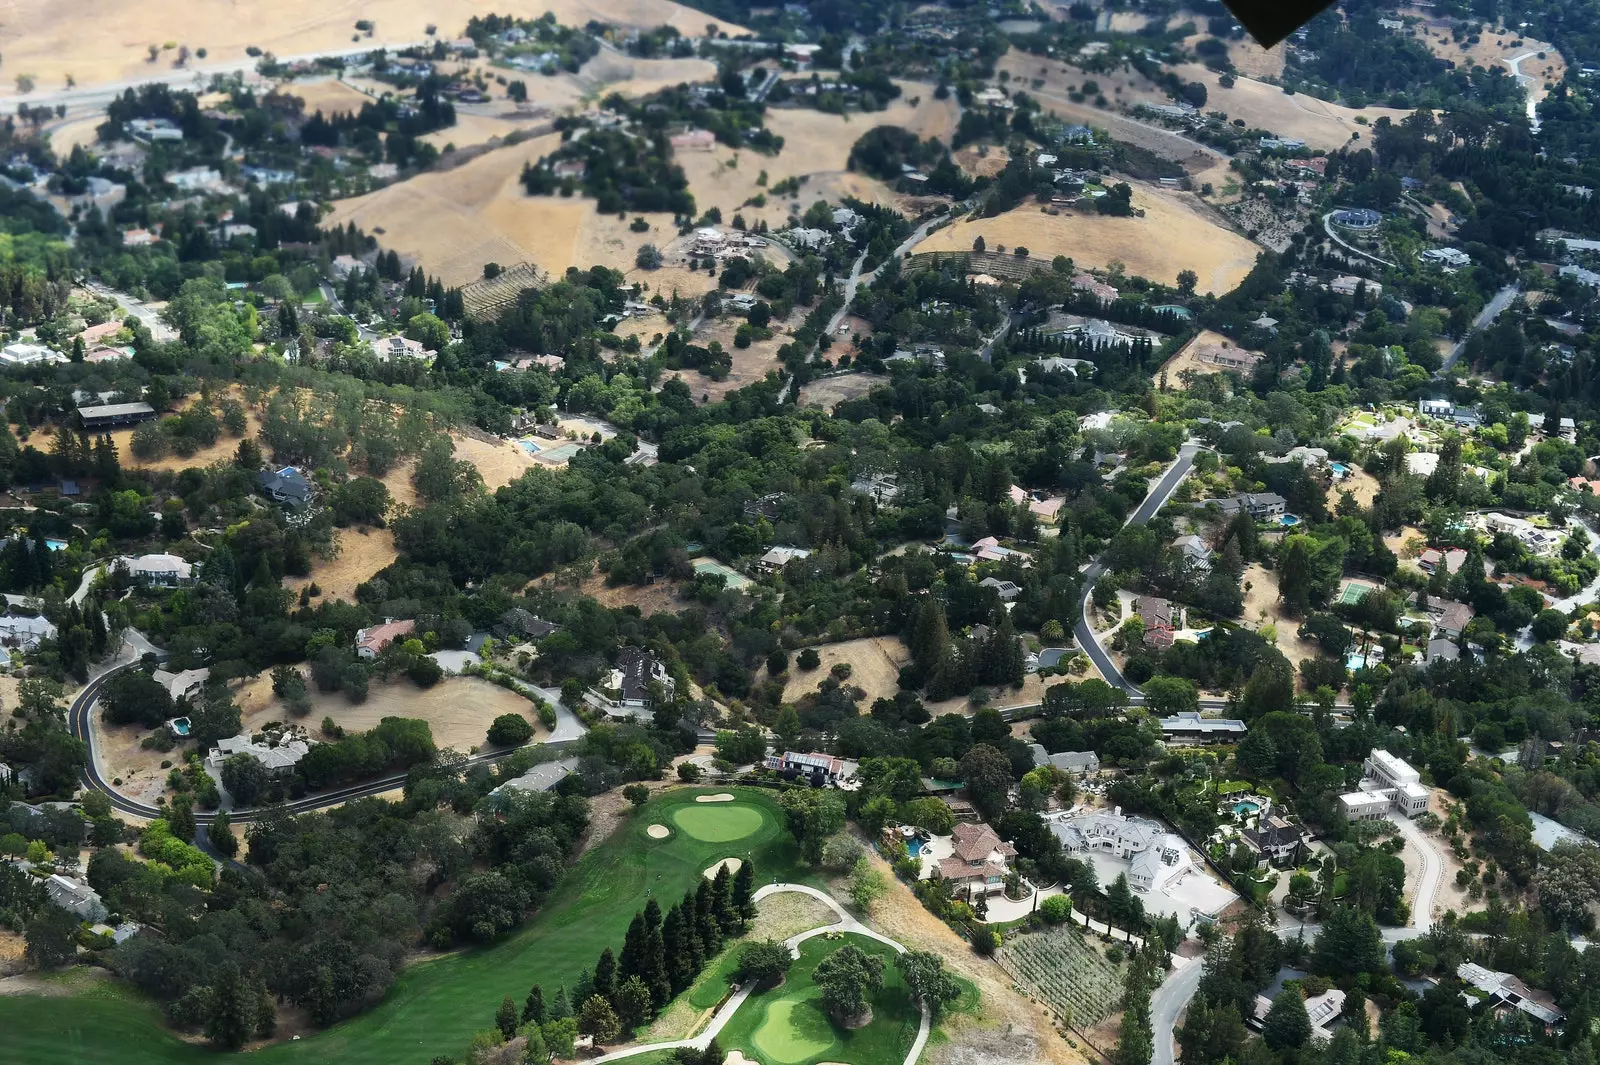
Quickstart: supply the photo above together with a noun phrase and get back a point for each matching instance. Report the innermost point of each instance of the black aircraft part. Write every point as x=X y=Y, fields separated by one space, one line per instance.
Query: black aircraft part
x=1270 y=21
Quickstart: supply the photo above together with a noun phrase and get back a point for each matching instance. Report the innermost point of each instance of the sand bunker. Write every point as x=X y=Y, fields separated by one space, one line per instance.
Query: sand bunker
x=732 y=865
x=658 y=831
x=736 y=1057
x=723 y=797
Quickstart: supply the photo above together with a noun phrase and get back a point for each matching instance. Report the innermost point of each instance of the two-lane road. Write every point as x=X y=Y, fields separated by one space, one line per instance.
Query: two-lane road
x=1153 y=502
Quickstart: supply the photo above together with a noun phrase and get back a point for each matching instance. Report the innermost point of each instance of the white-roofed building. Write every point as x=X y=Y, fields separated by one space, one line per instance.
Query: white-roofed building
x=163 y=570
x=1387 y=783
x=1154 y=855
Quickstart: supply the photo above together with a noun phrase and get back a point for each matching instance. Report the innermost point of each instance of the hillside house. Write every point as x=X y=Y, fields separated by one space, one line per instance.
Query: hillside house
x=159 y=570
x=286 y=486
x=1078 y=763
x=1153 y=854
x=1160 y=619
x=1196 y=553
x=520 y=624
x=636 y=670
x=1189 y=727
x=387 y=349
x=75 y=897
x=1505 y=991
x=978 y=861
x=371 y=641
x=186 y=684
x=1006 y=590
x=1387 y=783
x=114 y=415
x=819 y=769
x=278 y=752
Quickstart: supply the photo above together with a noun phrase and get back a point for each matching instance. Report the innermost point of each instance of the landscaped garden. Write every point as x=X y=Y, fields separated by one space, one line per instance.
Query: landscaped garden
x=788 y=1025
x=436 y=1006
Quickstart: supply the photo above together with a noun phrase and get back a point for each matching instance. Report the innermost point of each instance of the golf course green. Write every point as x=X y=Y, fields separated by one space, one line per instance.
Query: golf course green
x=787 y=1025
x=718 y=822
x=436 y=1006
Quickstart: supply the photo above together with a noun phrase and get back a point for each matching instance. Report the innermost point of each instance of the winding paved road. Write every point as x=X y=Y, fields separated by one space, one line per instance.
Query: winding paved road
x=845 y=923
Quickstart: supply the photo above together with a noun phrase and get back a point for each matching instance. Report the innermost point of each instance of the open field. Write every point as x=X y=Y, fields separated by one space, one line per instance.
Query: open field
x=1263 y=607
x=328 y=95
x=1491 y=51
x=1173 y=235
x=750 y=365
x=829 y=392
x=874 y=662
x=434 y=1007
x=98 y=43
x=1320 y=124
x=787 y=1026
x=457 y=709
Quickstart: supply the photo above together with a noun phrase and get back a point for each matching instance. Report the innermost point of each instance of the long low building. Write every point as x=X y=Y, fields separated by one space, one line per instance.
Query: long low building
x=1190 y=726
x=112 y=415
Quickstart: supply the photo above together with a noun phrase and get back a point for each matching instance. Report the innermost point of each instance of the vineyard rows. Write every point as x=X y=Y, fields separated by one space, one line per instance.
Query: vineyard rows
x=1065 y=973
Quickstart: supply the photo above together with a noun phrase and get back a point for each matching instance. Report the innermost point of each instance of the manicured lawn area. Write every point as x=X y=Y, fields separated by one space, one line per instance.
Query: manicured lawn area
x=717 y=822
x=787 y=1026
x=435 y=1007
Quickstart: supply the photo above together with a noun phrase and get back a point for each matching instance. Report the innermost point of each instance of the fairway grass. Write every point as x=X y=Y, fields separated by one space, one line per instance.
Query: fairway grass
x=719 y=822
x=435 y=1007
x=787 y=1026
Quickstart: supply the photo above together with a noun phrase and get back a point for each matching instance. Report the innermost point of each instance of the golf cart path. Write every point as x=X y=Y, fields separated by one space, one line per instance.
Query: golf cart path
x=845 y=923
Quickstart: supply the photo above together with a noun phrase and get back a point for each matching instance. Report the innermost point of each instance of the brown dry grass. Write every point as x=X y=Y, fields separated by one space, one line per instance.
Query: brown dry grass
x=1186 y=360
x=98 y=43
x=1320 y=124
x=1360 y=484
x=1173 y=235
x=1006 y=1027
x=750 y=365
x=1492 y=51
x=458 y=709
x=829 y=392
x=328 y=95
x=874 y=662
x=1263 y=607
x=13 y=949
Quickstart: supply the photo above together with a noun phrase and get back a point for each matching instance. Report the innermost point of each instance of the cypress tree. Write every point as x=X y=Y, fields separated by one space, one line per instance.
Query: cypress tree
x=706 y=918
x=560 y=1006
x=632 y=950
x=605 y=976
x=653 y=965
x=534 y=1009
x=674 y=942
x=722 y=902
x=744 y=891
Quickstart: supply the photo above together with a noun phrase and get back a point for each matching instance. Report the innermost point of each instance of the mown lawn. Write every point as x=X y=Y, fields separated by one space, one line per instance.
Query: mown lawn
x=787 y=1026
x=435 y=1007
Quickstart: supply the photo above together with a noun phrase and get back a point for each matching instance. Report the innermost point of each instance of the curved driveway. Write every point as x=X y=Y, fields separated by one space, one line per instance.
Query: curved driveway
x=845 y=923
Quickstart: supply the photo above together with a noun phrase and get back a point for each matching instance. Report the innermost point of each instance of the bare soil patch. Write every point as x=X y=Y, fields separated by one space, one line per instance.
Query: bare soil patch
x=98 y=43
x=1187 y=359
x=458 y=709
x=1262 y=607
x=1360 y=484
x=1173 y=235
x=874 y=663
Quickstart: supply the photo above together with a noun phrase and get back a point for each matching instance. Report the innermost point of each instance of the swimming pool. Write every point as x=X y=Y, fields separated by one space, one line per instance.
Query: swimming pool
x=1288 y=521
x=179 y=726
x=529 y=446
x=1339 y=468
x=55 y=545
x=913 y=846
x=1355 y=660
x=1246 y=808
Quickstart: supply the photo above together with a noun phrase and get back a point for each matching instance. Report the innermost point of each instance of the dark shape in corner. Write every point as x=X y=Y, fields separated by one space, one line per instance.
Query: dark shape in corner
x=1270 y=21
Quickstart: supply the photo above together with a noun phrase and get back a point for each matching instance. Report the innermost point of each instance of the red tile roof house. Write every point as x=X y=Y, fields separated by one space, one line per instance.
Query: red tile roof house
x=371 y=642
x=978 y=865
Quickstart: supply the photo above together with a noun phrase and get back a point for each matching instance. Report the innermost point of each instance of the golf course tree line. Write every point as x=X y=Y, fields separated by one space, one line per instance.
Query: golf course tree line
x=334 y=901
x=661 y=957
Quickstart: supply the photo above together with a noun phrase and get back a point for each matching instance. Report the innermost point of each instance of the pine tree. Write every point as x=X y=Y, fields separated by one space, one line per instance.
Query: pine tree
x=605 y=976
x=560 y=1006
x=682 y=966
x=534 y=1010
x=633 y=947
x=744 y=891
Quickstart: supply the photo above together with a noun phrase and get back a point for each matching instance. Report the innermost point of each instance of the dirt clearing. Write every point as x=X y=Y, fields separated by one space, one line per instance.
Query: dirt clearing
x=829 y=392
x=1187 y=359
x=328 y=95
x=1262 y=607
x=1173 y=235
x=97 y=43
x=458 y=709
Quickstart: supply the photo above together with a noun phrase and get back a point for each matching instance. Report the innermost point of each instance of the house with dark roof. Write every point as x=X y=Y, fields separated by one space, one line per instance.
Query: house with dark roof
x=520 y=624
x=1274 y=839
x=286 y=486
x=627 y=688
x=821 y=769
x=1160 y=620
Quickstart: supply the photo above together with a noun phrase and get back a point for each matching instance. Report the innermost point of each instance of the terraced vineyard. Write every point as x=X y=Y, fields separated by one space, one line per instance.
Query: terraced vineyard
x=1059 y=969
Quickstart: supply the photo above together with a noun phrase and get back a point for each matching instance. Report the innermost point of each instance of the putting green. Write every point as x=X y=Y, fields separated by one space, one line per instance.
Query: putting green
x=718 y=822
x=794 y=1030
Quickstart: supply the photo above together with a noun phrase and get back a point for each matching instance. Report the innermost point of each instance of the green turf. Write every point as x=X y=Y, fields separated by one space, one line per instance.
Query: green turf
x=718 y=822
x=435 y=1007
x=786 y=1026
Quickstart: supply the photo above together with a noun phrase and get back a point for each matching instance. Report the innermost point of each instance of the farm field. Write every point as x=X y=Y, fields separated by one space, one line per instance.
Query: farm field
x=98 y=43
x=1064 y=971
x=1172 y=236
x=1320 y=124
x=787 y=1026
x=435 y=1006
